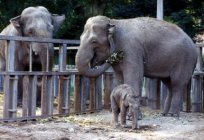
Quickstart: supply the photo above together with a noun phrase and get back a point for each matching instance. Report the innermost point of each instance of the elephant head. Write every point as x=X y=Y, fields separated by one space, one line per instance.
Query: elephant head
x=38 y=22
x=96 y=45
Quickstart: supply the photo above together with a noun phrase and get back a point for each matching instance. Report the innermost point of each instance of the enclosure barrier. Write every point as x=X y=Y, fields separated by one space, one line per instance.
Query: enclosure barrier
x=90 y=94
x=55 y=96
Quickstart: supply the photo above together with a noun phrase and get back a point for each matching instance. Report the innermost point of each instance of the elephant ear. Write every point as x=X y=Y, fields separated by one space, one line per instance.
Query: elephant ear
x=16 y=23
x=57 y=21
x=111 y=30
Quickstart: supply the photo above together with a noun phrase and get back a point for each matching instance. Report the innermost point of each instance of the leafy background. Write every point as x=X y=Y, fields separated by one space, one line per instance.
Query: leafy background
x=188 y=14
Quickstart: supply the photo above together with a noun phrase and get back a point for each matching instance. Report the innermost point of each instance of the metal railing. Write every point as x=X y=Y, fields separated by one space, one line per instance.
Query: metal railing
x=85 y=97
x=59 y=97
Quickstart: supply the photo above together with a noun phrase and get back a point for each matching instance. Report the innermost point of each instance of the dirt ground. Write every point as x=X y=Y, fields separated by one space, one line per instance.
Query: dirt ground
x=97 y=126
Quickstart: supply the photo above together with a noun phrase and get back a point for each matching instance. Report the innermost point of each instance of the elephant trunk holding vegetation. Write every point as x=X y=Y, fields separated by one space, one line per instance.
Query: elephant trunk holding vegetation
x=151 y=47
x=33 y=22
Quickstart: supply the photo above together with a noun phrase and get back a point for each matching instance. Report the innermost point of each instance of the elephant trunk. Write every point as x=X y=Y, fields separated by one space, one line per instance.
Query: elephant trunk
x=135 y=118
x=83 y=59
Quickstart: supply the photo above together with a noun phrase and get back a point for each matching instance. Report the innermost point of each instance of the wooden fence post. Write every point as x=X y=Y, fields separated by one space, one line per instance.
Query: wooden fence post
x=29 y=95
x=10 y=99
x=197 y=85
x=77 y=94
x=196 y=99
x=85 y=92
x=154 y=94
x=92 y=103
x=164 y=92
x=98 y=92
x=108 y=80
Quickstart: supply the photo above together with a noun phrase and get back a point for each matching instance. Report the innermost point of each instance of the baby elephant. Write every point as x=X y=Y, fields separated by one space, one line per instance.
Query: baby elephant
x=122 y=98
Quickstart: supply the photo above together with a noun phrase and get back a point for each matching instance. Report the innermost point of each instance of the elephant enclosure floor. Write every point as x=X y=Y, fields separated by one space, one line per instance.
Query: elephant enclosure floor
x=97 y=126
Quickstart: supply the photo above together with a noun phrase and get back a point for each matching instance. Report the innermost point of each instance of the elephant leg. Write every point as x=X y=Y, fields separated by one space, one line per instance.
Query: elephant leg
x=115 y=112
x=133 y=76
x=168 y=99
x=119 y=79
x=135 y=119
x=123 y=113
x=177 y=95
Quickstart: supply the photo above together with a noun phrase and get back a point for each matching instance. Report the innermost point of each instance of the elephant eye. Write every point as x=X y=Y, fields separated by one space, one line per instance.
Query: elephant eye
x=30 y=32
x=93 y=41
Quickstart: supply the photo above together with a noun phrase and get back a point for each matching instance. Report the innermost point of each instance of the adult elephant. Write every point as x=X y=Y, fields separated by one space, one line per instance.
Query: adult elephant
x=151 y=48
x=33 y=22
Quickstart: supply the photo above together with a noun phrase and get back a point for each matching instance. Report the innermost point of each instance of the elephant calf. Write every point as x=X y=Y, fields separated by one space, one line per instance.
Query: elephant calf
x=123 y=97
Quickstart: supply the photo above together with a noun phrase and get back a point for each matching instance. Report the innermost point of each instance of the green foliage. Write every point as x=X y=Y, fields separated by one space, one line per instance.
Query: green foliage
x=185 y=13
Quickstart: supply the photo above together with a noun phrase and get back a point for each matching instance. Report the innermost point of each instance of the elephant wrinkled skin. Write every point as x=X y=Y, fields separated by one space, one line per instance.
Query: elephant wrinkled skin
x=33 y=22
x=152 y=48
x=122 y=98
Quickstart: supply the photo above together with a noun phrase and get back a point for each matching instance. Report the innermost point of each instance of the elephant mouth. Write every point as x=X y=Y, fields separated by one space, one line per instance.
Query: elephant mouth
x=95 y=62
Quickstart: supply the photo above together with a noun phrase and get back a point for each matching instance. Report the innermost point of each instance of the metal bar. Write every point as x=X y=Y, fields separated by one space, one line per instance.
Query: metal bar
x=11 y=49
x=72 y=71
x=160 y=9
x=60 y=95
x=41 y=73
x=66 y=95
x=199 y=64
x=62 y=57
x=39 y=40
x=47 y=58
x=30 y=58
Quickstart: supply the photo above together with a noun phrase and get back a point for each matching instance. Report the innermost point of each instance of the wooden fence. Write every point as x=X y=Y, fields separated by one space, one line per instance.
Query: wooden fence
x=57 y=98
x=89 y=94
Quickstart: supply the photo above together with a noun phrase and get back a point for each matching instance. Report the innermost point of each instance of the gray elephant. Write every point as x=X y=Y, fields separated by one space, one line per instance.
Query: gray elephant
x=33 y=22
x=123 y=98
x=151 y=48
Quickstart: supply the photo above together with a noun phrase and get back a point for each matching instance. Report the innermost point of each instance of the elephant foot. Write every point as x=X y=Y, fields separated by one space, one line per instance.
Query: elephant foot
x=140 y=116
x=174 y=115
x=129 y=116
x=124 y=125
x=135 y=127
x=116 y=125
x=164 y=114
x=174 y=112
